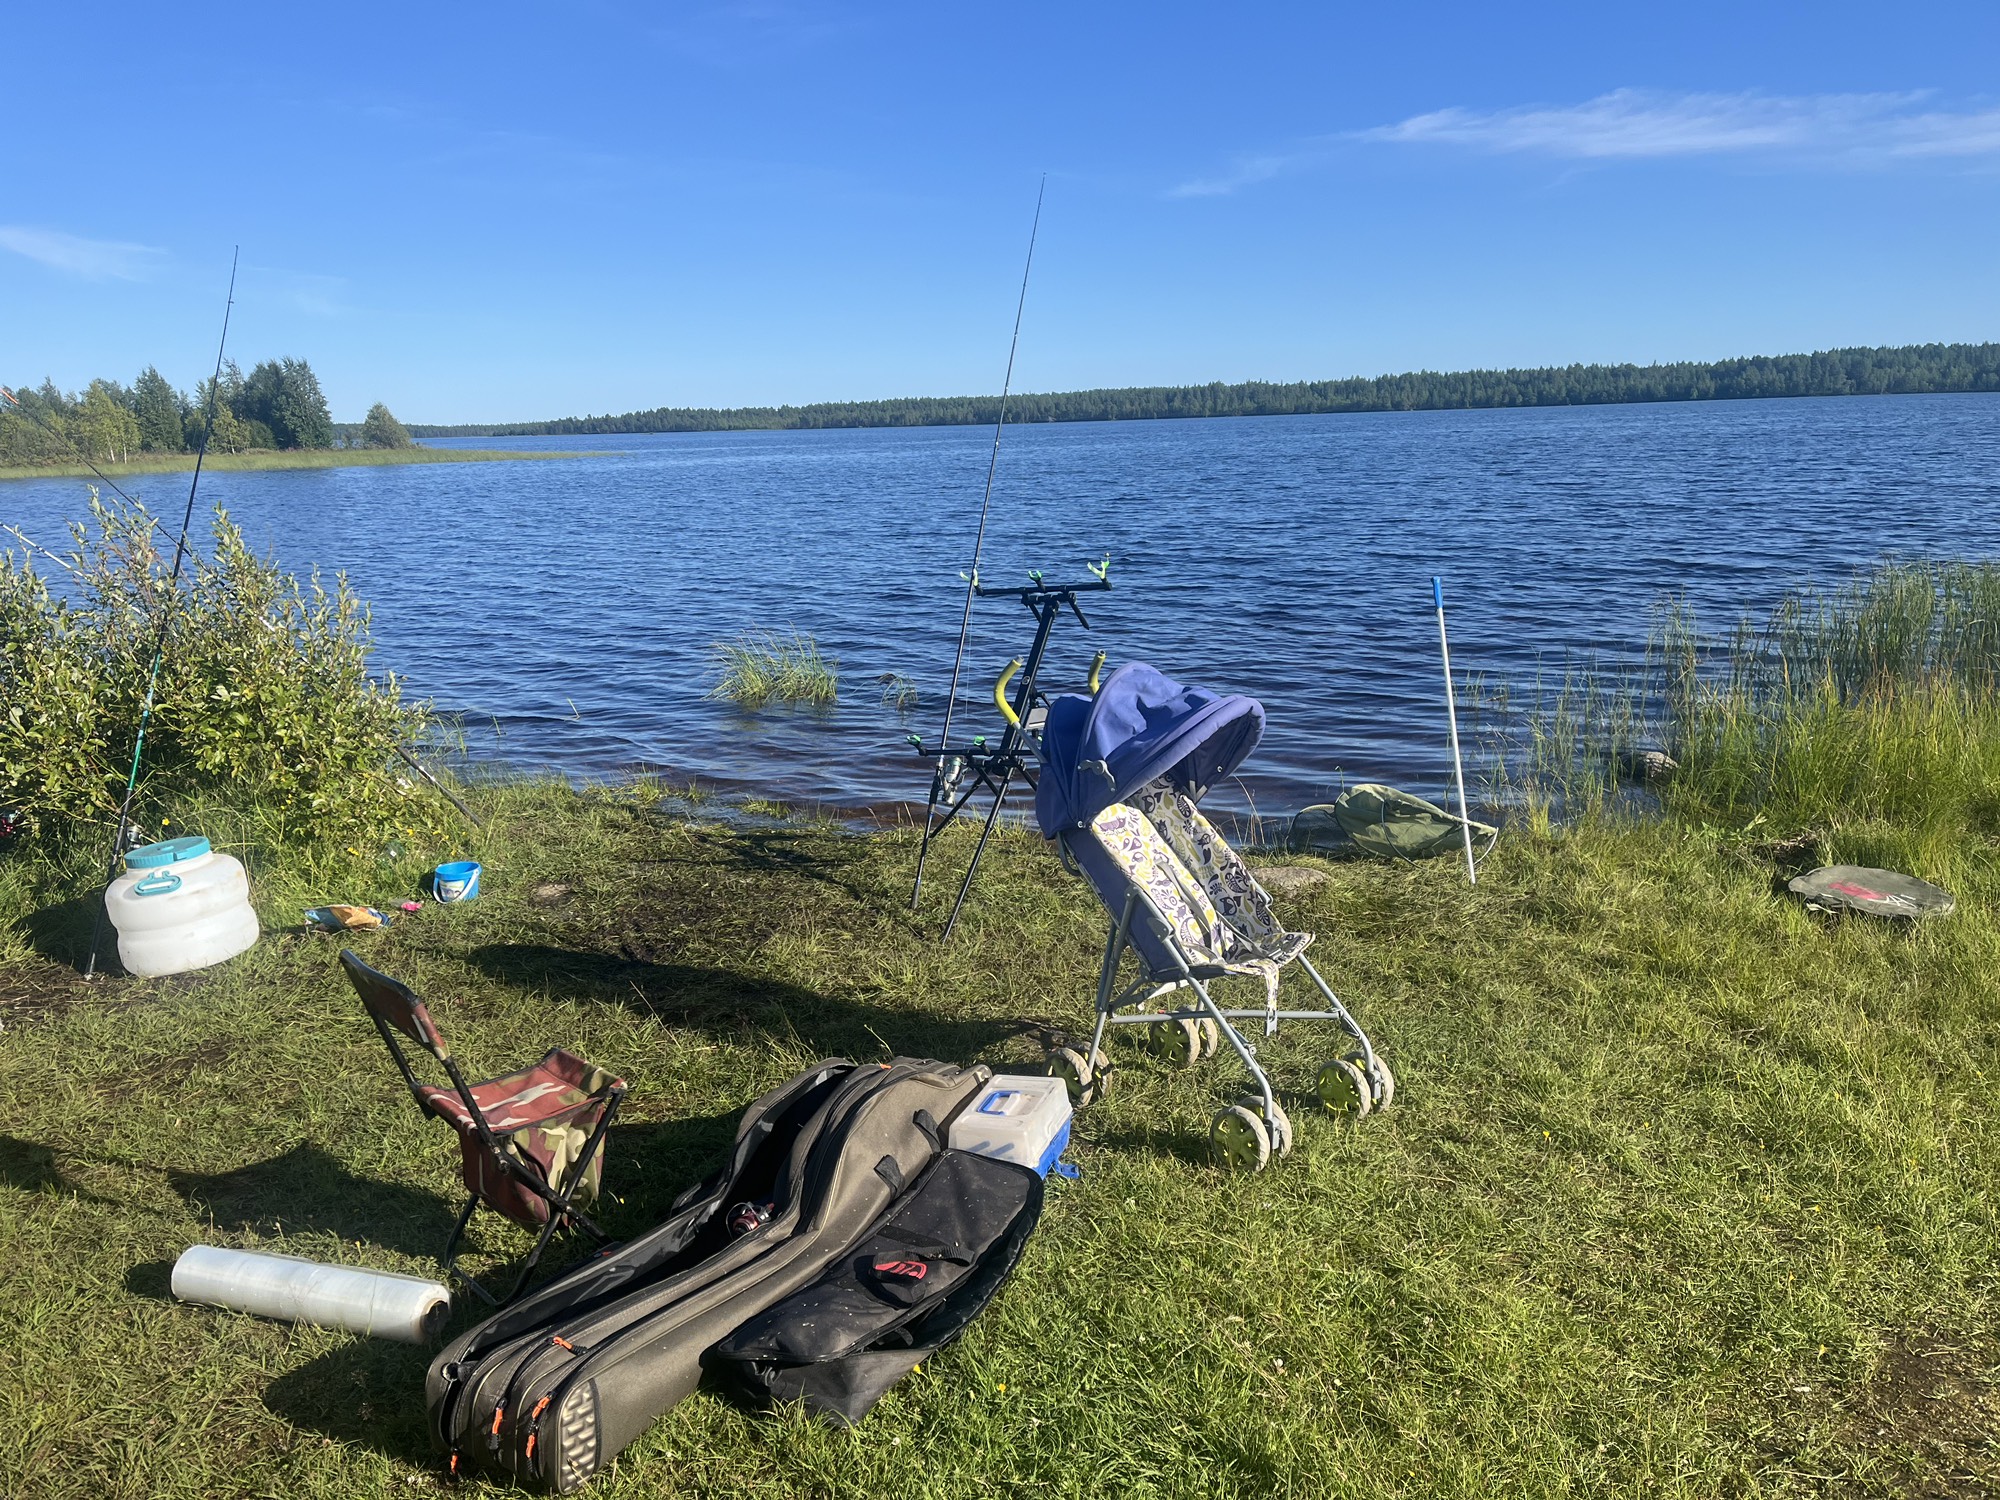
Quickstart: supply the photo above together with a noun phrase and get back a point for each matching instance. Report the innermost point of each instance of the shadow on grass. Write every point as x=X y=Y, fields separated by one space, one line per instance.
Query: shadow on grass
x=648 y=1165
x=152 y=1279
x=728 y=1004
x=368 y=1392
x=307 y=1189
x=61 y=932
x=29 y=1166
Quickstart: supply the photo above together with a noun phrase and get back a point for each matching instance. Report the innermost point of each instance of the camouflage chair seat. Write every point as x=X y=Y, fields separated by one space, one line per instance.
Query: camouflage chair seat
x=542 y=1116
x=530 y=1142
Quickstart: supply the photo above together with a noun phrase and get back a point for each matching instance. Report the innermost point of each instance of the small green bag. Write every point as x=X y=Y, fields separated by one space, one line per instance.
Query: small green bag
x=1389 y=824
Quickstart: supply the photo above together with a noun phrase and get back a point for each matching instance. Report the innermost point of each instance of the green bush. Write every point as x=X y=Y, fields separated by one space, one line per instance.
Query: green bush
x=263 y=704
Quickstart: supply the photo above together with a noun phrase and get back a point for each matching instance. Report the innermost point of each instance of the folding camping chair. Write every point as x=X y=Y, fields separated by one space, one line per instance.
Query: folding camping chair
x=1122 y=772
x=530 y=1142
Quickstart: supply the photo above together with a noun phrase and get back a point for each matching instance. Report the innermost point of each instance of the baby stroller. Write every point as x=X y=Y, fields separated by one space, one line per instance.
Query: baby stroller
x=1122 y=770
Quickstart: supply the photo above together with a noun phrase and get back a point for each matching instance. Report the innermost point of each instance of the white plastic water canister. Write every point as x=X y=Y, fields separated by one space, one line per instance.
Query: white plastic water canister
x=179 y=906
x=1016 y=1118
x=384 y=1304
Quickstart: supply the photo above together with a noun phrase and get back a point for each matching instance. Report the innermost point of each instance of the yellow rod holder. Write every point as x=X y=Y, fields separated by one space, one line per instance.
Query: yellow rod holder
x=1000 y=693
x=1096 y=670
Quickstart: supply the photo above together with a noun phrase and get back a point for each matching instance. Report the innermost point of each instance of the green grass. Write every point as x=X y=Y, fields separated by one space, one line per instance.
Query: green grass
x=1685 y=1192
x=761 y=667
x=298 y=458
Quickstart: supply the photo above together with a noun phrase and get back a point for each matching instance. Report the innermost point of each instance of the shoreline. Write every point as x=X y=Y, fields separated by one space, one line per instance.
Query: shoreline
x=269 y=459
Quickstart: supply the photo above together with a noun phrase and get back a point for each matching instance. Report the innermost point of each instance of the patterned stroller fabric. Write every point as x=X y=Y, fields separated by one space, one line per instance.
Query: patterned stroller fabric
x=1211 y=946
x=1252 y=930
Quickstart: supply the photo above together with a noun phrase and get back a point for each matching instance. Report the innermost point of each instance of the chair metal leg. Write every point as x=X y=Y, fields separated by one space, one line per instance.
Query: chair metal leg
x=450 y=1256
x=534 y=1256
x=560 y=1212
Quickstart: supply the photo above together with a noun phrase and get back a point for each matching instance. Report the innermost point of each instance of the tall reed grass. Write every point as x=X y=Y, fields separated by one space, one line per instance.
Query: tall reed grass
x=1876 y=700
x=761 y=667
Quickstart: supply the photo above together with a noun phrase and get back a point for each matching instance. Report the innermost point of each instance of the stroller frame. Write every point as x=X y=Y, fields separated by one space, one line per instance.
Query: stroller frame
x=1154 y=985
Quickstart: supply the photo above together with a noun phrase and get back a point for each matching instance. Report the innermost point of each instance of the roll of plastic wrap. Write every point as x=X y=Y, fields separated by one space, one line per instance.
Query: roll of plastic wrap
x=381 y=1303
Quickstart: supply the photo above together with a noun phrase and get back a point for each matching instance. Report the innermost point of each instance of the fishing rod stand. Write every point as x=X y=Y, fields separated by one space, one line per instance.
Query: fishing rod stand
x=959 y=776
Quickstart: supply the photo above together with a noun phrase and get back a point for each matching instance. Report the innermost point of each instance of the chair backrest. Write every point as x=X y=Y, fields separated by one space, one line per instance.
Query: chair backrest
x=1231 y=888
x=393 y=1003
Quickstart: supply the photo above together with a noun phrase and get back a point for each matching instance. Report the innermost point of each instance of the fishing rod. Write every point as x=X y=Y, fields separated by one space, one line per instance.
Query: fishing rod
x=941 y=789
x=166 y=625
x=992 y=467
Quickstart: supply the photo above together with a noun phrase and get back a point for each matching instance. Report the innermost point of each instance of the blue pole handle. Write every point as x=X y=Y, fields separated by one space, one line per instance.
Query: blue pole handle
x=1437 y=591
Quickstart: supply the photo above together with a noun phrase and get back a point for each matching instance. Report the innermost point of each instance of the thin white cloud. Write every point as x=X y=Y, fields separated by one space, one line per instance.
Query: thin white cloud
x=93 y=260
x=1642 y=123
x=1826 y=130
x=1251 y=169
x=310 y=292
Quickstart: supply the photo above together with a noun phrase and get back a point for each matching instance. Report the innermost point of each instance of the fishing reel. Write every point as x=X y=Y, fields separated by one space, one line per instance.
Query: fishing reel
x=949 y=769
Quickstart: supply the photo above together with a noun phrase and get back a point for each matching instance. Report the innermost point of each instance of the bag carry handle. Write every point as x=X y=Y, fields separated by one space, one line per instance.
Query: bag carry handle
x=158 y=883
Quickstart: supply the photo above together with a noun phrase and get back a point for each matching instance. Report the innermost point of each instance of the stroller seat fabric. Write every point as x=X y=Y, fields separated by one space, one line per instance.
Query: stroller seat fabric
x=1241 y=903
x=1195 y=935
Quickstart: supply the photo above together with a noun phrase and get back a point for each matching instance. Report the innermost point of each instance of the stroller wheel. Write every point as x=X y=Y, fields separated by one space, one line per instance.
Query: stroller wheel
x=1211 y=1037
x=1343 y=1088
x=1382 y=1081
x=1279 y=1125
x=1175 y=1042
x=1085 y=1083
x=1239 y=1140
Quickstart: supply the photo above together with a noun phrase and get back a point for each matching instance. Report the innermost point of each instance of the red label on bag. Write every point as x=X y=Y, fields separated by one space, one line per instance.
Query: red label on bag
x=909 y=1270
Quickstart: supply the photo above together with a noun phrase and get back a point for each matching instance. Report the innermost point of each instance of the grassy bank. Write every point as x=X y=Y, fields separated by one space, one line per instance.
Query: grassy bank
x=300 y=458
x=1685 y=1193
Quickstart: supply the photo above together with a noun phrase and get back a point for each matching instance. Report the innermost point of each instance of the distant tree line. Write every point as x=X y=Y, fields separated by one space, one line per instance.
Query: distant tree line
x=1912 y=369
x=277 y=405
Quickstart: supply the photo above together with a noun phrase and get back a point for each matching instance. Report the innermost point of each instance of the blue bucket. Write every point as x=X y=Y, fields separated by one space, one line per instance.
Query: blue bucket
x=458 y=881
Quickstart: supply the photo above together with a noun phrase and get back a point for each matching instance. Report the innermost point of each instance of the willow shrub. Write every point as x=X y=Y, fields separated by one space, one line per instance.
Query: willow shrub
x=264 y=705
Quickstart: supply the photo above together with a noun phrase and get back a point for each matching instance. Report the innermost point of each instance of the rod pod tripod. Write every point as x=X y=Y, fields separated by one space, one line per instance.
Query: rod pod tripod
x=959 y=776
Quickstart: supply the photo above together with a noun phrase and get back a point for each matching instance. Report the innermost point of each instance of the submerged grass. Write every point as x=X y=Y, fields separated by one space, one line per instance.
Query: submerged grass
x=296 y=458
x=1685 y=1193
x=761 y=667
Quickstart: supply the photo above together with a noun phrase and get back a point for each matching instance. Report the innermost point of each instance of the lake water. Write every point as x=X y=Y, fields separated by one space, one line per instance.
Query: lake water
x=569 y=609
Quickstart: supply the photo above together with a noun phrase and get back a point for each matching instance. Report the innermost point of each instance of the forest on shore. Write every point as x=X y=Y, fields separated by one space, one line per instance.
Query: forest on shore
x=1911 y=369
x=277 y=407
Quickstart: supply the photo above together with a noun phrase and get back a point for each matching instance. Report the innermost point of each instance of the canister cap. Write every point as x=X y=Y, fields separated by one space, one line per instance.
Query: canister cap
x=167 y=852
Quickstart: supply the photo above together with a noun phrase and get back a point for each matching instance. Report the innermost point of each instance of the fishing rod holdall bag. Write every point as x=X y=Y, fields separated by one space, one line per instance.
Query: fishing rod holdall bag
x=839 y=1244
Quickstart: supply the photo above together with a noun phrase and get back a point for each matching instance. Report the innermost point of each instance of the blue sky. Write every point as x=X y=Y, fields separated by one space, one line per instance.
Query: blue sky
x=509 y=212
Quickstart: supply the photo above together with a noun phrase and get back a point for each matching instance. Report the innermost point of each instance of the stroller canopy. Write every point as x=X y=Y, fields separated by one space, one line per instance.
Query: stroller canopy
x=1140 y=726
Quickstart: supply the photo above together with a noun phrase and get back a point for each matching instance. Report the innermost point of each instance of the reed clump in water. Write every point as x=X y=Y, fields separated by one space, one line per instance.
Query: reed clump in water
x=763 y=667
x=1876 y=701
x=1879 y=700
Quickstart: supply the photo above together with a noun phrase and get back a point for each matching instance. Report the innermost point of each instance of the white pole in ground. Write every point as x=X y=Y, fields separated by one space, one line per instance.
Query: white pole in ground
x=1451 y=712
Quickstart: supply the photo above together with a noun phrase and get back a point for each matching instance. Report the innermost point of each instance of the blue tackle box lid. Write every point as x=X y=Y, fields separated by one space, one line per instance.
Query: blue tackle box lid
x=167 y=852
